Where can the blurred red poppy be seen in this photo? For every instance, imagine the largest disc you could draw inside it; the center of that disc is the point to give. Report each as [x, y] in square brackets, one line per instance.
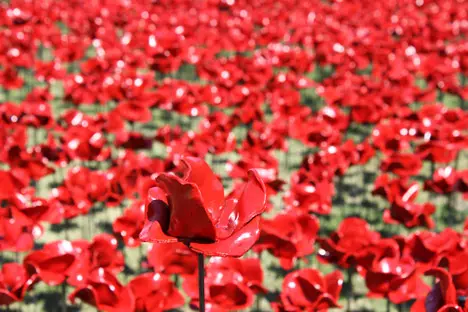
[103, 291]
[308, 289]
[15, 281]
[155, 292]
[289, 236]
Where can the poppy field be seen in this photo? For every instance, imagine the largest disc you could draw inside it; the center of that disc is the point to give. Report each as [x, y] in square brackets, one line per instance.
[234, 155]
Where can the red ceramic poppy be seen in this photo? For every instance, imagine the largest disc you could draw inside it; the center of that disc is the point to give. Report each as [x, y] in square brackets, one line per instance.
[444, 181]
[155, 292]
[53, 262]
[410, 214]
[15, 281]
[397, 279]
[344, 245]
[173, 258]
[428, 247]
[249, 268]
[308, 289]
[442, 297]
[402, 164]
[216, 228]
[129, 225]
[289, 236]
[395, 189]
[225, 290]
[105, 292]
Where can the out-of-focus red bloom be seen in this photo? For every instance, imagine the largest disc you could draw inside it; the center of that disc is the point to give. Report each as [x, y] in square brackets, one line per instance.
[458, 267]
[402, 164]
[155, 292]
[132, 140]
[309, 193]
[265, 165]
[427, 248]
[15, 281]
[442, 298]
[85, 143]
[437, 151]
[10, 80]
[249, 268]
[105, 292]
[290, 235]
[216, 227]
[53, 262]
[410, 214]
[16, 235]
[129, 225]
[226, 289]
[173, 258]
[395, 278]
[13, 181]
[347, 243]
[309, 290]
[395, 189]
[444, 181]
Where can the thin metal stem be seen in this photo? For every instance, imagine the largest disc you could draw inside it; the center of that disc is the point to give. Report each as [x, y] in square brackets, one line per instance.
[201, 282]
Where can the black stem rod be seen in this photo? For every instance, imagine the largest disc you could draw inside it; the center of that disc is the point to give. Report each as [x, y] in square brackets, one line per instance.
[201, 282]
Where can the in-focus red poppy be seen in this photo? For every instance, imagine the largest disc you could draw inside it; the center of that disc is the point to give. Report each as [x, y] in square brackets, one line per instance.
[347, 242]
[53, 262]
[216, 227]
[155, 292]
[309, 290]
[173, 258]
[103, 291]
[288, 236]
[15, 281]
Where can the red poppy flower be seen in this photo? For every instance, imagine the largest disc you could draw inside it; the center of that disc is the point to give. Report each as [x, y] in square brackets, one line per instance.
[442, 297]
[347, 242]
[410, 214]
[15, 281]
[216, 228]
[397, 279]
[308, 289]
[309, 193]
[395, 189]
[402, 164]
[265, 164]
[249, 268]
[173, 258]
[105, 292]
[53, 262]
[9, 79]
[225, 290]
[444, 181]
[458, 268]
[16, 236]
[129, 225]
[155, 292]
[428, 247]
[437, 151]
[290, 235]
